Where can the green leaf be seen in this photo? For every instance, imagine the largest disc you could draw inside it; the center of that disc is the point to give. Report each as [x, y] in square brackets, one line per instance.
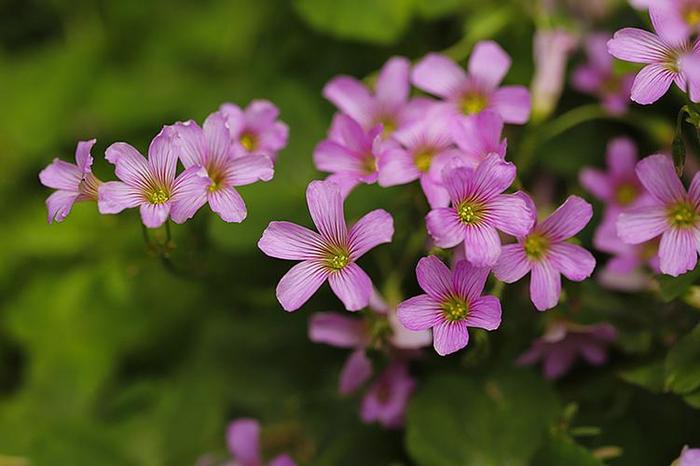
[683, 364]
[561, 450]
[378, 21]
[693, 399]
[496, 420]
[674, 287]
[650, 376]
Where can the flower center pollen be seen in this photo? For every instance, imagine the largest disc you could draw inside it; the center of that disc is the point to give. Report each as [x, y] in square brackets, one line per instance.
[682, 215]
[157, 196]
[626, 194]
[692, 16]
[424, 159]
[249, 141]
[535, 246]
[473, 103]
[338, 258]
[470, 213]
[454, 309]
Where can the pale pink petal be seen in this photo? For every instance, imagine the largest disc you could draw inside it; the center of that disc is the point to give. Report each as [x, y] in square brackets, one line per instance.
[635, 226]
[235, 119]
[338, 330]
[228, 204]
[678, 251]
[512, 264]
[396, 166]
[694, 190]
[587, 78]
[260, 114]
[189, 193]
[597, 50]
[249, 169]
[130, 166]
[658, 176]
[420, 313]
[491, 177]
[59, 204]
[403, 338]
[373, 229]
[218, 138]
[532, 355]
[434, 277]
[513, 103]
[545, 285]
[468, 281]
[352, 286]
[458, 181]
[438, 75]
[332, 157]
[355, 373]
[484, 312]
[300, 283]
[82, 155]
[393, 81]
[511, 214]
[445, 227]
[350, 133]
[351, 97]
[285, 240]
[482, 246]
[154, 215]
[570, 218]
[651, 83]
[162, 156]
[115, 196]
[282, 460]
[243, 437]
[480, 135]
[190, 145]
[638, 46]
[435, 192]
[61, 175]
[326, 208]
[346, 182]
[573, 261]
[489, 63]
[597, 183]
[449, 337]
[668, 21]
[621, 156]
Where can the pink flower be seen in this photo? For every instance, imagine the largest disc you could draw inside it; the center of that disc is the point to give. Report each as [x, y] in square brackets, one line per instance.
[243, 438]
[255, 129]
[479, 210]
[552, 49]
[151, 184]
[478, 137]
[597, 77]
[327, 255]
[672, 213]
[451, 305]
[689, 457]
[423, 150]
[640, 4]
[544, 252]
[471, 93]
[350, 153]
[675, 20]
[663, 59]
[210, 148]
[564, 342]
[72, 182]
[388, 106]
[387, 398]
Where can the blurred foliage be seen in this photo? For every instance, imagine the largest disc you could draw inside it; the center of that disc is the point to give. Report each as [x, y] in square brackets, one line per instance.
[107, 359]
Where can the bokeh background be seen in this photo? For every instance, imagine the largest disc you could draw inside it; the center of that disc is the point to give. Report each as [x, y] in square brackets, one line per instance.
[108, 358]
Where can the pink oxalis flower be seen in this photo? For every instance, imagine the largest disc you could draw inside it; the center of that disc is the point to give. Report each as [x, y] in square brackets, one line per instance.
[389, 105]
[243, 438]
[329, 254]
[551, 50]
[255, 129]
[544, 253]
[209, 148]
[470, 93]
[451, 304]
[479, 137]
[563, 342]
[479, 210]
[689, 457]
[675, 20]
[672, 213]
[72, 182]
[387, 398]
[597, 76]
[151, 184]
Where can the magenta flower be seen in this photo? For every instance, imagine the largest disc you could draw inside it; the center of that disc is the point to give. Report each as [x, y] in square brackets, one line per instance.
[422, 152]
[255, 129]
[72, 182]
[328, 255]
[471, 93]
[388, 106]
[451, 305]
[675, 20]
[563, 342]
[387, 398]
[350, 153]
[151, 184]
[689, 457]
[210, 148]
[664, 62]
[597, 77]
[544, 252]
[243, 438]
[671, 213]
[552, 49]
[479, 210]
[478, 137]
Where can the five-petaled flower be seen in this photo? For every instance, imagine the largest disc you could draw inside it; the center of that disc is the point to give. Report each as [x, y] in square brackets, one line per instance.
[452, 302]
[72, 182]
[330, 254]
[255, 129]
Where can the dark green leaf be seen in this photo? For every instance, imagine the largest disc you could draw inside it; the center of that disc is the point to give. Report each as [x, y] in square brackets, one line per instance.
[561, 450]
[674, 287]
[683, 364]
[649, 376]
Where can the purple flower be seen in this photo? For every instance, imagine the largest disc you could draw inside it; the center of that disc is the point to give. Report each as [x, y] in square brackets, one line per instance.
[210, 148]
[387, 398]
[689, 457]
[564, 342]
[350, 153]
[672, 213]
[422, 152]
[451, 305]
[479, 137]
[544, 252]
[255, 129]
[471, 93]
[675, 20]
[388, 106]
[597, 77]
[72, 182]
[151, 184]
[327, 255]
[479, 210]
[243, 438]
[552, 49]
[663, 59]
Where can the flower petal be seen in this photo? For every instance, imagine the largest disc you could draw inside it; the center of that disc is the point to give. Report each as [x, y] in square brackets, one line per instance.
[573, 261]
[445, 227]
[249, 169]
[300, 283]
[512, 264]
[438, 75]
[218, 138]
[189, 193]
[449, 337]
[621, 156]
[352, 286]
[337, 330]
[130, 166]
[597, 183]
[482, 246]
[393, 86]
[373, 229]
[285, 240]
[260, 114]
[59, 204]
[468, 281]
[326, 208]
[355, 373]
[513, 103]
[678, 251]
[162, 156]
[396, 166]
[434, 277]
[651, 83]
[635, 226]
[480, 135]
[510, 214]
[83, 158]
[658, 176]
[61, 175]
[351, 97]
[558, 362]
[154, 215]
[545, 285]
[228, 204]
[638, 46]
[332, 157]
[242, 437]
[491, 177]
[115, 196]
[282, 460]
[570, 218]
[484, 312]
[419, 313]
[190, 144]
[489, 63]
[669, 24]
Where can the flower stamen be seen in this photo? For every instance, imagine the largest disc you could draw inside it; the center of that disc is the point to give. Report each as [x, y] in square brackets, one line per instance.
[455, 309]
[535, 246]
[470, 213]
[473, 103]
[682, 215]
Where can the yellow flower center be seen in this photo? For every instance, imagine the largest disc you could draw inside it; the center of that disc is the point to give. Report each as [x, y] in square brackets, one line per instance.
[692, 16]
[536, 246]
[369, 164]
[470, 213]
[626, 194]
[423, 159]
[389, 126]
[473, 103]
[337, 258]
[454, 309]
[157, 195]
[682, 215]
[249, 141]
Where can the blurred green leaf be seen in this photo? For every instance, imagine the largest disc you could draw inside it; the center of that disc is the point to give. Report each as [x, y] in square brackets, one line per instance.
[683, 364]
[674, 287]
[650, 376]
[560, 450]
